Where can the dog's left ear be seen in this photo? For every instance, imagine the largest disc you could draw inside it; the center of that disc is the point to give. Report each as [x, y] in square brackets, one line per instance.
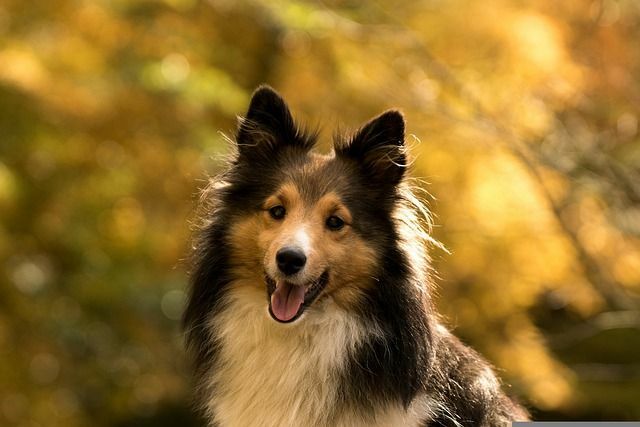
[268, 125]
[379, 148]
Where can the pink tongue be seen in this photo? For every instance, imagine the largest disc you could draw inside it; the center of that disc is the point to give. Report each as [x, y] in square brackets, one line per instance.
[286, 300]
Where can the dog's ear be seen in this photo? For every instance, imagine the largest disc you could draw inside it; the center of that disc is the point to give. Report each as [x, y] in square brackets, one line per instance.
[268, 125]
[379, 148]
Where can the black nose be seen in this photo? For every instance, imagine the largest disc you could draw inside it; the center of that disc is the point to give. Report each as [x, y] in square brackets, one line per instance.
[290, 260]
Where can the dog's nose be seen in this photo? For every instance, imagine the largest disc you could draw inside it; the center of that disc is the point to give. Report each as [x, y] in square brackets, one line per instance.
[290, 260]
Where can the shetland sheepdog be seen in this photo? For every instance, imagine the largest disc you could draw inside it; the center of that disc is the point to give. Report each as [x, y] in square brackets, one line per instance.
[310, 288]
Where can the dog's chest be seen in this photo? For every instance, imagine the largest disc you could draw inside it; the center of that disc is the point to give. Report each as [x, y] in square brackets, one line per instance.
[269, 374]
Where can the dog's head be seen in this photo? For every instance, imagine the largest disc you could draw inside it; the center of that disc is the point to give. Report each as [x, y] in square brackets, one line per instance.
[305, 226]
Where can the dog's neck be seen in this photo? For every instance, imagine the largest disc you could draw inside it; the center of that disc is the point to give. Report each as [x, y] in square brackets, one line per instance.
[290, 371]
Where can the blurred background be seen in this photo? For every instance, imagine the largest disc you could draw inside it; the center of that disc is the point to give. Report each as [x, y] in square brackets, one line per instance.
[523, 122]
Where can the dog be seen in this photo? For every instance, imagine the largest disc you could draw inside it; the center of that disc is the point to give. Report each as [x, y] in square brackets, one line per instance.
[310, 300]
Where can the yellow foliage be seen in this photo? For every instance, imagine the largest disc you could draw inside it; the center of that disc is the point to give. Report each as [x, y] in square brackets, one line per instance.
[522, 116]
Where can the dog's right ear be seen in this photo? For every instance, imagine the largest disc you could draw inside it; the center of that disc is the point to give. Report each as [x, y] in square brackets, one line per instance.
[268, 125]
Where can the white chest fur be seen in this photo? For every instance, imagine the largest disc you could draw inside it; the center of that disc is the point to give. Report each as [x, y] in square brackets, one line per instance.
[275, 375]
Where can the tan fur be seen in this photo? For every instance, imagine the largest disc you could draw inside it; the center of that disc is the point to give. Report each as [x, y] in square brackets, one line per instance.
[256, 240]
[288, 372]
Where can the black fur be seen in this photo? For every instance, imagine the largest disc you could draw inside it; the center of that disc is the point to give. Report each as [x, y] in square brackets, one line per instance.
[378, 148]
[394, 367]
[413, 356]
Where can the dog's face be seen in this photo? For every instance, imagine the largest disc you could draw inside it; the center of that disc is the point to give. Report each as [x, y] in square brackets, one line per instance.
[304, 226]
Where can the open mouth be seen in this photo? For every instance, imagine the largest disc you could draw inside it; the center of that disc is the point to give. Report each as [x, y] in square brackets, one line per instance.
[287, 301]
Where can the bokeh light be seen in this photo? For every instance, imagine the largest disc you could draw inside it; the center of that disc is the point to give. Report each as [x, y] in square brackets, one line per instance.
[523, 124]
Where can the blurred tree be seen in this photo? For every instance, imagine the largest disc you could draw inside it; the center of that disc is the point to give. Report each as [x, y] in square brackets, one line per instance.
[525, 116]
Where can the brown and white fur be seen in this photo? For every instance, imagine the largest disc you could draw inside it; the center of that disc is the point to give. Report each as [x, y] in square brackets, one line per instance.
[310, 294]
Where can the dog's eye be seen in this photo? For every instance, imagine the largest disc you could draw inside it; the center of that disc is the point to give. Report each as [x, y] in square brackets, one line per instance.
[277, 212]
[335, 223]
